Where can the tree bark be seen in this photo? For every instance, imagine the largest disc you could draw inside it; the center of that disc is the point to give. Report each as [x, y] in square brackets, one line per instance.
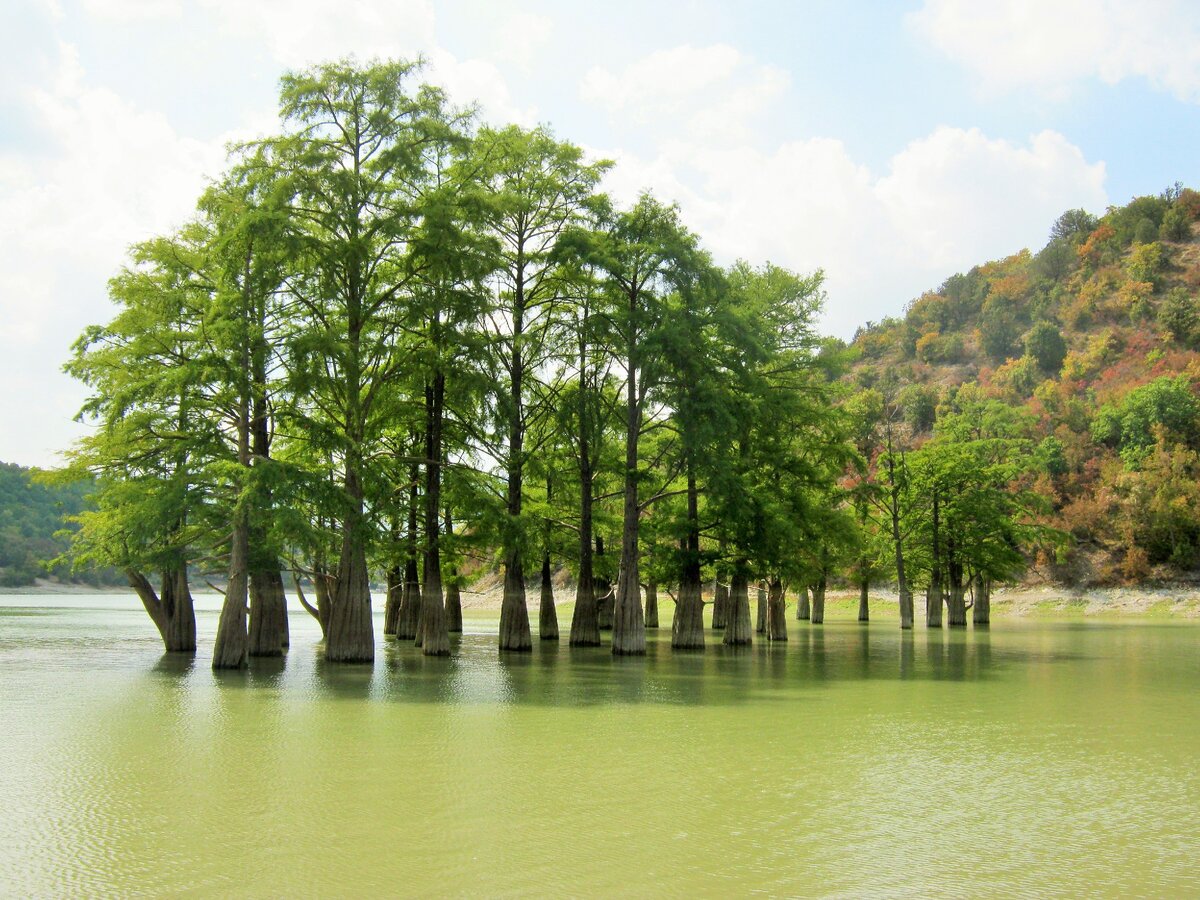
[391, 605]
[453, 591]
[433, 635]
[737, 629]
[547, 614]
[651, 603]
[268, 612]
[232, 642]
[803, 610]
[604, 592]
[760, 625]
[585, 621]
[776, 612]
[981, 612]
[864, 609]
[351, 634]
[956, 604]
[172, 613]
[720, 616]
[687, 625]
[410, 595]
[818, 602]
[933, 596]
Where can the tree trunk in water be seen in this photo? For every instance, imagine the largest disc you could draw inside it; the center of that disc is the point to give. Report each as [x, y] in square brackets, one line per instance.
[268, 612]
[410, 594]
[547, 614]
[514, 614]
[981, 612]
[776, 612]
[453, 591]
[351, 634]
[864, 610]
[687, 625]
[803, 611]
[391, 606]
[737, 629]
[651, 603]
[760, 613]
[818, 602]
[322, 582]
[933, 596]
[171, 612]
[585, 621]
[232, 642]
[604, 592]
[956, 602]
[720, 616]
[432, 634]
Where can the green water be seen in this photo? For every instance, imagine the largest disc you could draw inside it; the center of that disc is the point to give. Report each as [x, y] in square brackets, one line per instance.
[1037, 758]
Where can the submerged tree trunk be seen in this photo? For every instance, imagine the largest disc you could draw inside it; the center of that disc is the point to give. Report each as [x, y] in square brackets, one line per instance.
[547, 614]
[687, 625]
[933, 596]
[760, 625]
[737, 629]
[651, 603]
[432, 633]
[410, 594]
[268, 612]
[585, 621]
[391, 605]
[269, 633]
[864, 610]
[171, 611]
[803, 610]
[956, 601]
[720, 616]
[351, 634]
[604, 591]
[776, 612]
[818, 602]
[453, 591]
[981, 611]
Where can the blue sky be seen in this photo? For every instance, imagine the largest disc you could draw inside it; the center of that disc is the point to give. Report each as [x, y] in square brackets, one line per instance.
[890, 144]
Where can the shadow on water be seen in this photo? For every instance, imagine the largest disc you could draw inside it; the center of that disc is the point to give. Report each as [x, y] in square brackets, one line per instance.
[556, 674]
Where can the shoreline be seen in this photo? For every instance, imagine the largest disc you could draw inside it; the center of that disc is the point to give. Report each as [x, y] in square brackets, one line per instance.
[1179, 600]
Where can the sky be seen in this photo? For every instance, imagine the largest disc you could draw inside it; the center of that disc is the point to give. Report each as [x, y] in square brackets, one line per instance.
[890, 144]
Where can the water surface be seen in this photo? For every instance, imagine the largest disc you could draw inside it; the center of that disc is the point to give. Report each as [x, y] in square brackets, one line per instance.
[1034, 758]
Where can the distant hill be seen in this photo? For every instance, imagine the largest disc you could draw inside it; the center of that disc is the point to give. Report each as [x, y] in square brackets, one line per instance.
[30, 514]
[1096, 339]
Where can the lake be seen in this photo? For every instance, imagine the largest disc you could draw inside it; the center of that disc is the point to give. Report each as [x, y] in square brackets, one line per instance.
[1038, 757]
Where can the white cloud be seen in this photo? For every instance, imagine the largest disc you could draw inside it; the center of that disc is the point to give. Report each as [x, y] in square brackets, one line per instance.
[945, 202]
[1051, 45]
[132, 10]
[299, 33]
[107, 174]
[519, 38]
[711, 93]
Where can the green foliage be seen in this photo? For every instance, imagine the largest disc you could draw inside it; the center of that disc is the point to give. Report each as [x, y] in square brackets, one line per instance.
[1180, 317]
[1046, 345]
[33, 512]
[1073, 226]
[919, 403]
[1167, 406]
[999, 331]
[1146, 262]
[1176, 225]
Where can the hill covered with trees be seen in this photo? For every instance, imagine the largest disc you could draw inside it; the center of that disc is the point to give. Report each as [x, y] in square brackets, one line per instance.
[1088, 352]
[32, 513]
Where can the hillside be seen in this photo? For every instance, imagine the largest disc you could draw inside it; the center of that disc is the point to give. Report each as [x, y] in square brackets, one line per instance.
[1094, 339]
[30, 514]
